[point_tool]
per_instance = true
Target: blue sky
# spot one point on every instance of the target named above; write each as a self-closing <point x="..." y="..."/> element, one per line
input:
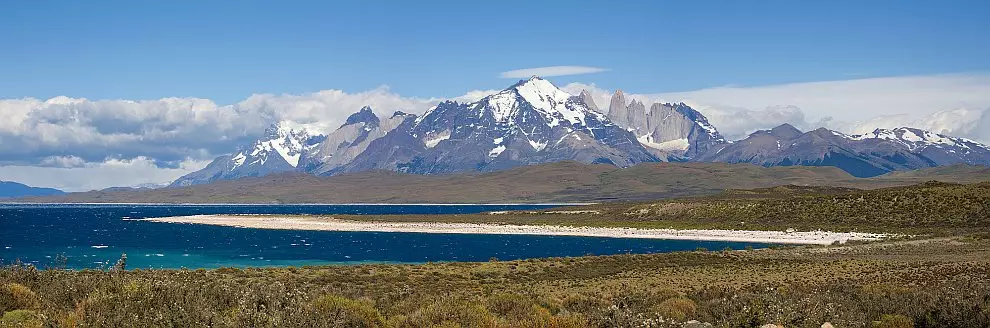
<point x="227" y="50"/>
<point x="170" y="85"/>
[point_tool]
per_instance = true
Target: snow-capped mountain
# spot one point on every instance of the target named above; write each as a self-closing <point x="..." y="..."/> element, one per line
<point x="280" y="149"/>
<point x="530" y="122"/>
<point x="349" y="141"/>
<point x="941" y="149"/>
<point x="534" y="122"/>
<point x="861" y="155"/>
<point x="668" y="130"/>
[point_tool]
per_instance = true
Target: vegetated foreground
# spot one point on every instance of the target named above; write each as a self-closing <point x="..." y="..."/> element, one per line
<point x="930" y="283"/>
<point x="932" y="208"/>
<point x="942" y="280"/>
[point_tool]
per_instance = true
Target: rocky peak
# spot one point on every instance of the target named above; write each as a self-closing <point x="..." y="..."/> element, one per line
<point x="636" y="116"/>
<point x="365" y="115"/>
<point x="588" y="100"/>
<point x="528" y="98"/>
<point x="399" y="113"/>
<point x="786" y="131"/>
<point x="617" y="109"/>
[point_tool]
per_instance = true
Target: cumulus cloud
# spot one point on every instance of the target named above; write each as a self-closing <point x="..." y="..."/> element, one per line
<point x="170" y="134"/>
<point x="944" y="103"/>
<point x="82" y="144"/>
<point x="111" y="172"/>
<point x="550" y="71"/>
<point x="65" y="131"/>
<point x="956" y="122"/>
<point x="62" y="161"/>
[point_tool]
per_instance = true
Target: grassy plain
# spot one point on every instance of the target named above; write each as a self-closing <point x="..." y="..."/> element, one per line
<point x="941" y="278"/>
<point x="931" y="283"/>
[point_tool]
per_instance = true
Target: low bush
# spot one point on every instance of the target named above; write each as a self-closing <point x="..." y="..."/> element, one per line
<point x="679" y="309"/>
<point x="20" y="319"/>
<point x="344" y="312"/>
<point x="893" y="321"/>
<point x="17" y="297"/>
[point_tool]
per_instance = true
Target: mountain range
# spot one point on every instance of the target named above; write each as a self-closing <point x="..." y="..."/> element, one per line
<point x="533" y="122"/>
<point x="10" y="189"/>
<point x="564" y="181"/>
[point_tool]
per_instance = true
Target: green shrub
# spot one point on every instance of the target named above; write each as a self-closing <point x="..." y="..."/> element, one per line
<point x="511" y="306"/>
<point x="581" y="303"/>
<point x="893" y="321"/>
<point x="679" y="308"/>
<point x="450" y="312"/>
<point x="17" y="297"/>
<point x="20" y="318"/>
<point x="345" y="312"/>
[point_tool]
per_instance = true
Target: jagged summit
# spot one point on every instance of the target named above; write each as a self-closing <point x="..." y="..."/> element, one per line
<point x="670" y="130"/>
<point x="279" y="149"/>
<point x="864" y="155"/>
<point x="552" y="103"/>
<point x="365" y="115"/>
<point x="785" y="131"/>
<point x="588" y="100"/>
<point x="533" y="121"/>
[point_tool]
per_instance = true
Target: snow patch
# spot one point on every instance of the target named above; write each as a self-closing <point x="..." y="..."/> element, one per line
<point x="239" y="159"/>
<point x="553" y="104"/>
<point x="496" y="151"/>
<point x="914" y="138"/>
<point x="288" y="149"/>
<point x="539" y="146"/>
<point x="676" y="144"/>
<point x="910" y="136"/>
<point x="435" y="140"/>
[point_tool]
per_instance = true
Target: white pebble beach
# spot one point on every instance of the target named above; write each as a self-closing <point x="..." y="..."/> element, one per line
<point x="322" y="223"/>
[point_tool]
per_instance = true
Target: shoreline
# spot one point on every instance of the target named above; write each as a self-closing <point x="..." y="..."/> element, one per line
<point x="317" y="223"/>
<point x="304" y="204"/>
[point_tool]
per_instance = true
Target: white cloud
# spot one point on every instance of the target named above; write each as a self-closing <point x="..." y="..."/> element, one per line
<point x="550" y="71"/>
<point x="945" y="103"/>
<point x="69" y="139"/>
<point x="63" y="161"/>
<point x="94" y="176"/>
<point x="65" y="142"/>
<point x="54" y="131"/>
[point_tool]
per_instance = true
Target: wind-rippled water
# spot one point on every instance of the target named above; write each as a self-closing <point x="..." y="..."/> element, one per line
<point x="94" y="236"/>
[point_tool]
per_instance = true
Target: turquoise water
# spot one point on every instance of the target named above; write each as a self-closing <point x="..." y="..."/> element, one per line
<point x="95" y="236"/>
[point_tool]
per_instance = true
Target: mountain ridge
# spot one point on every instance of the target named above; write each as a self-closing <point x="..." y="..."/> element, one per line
<point x="534" y="122"/>
<point x="11" y="189"/>
<point x="565" y="181"/>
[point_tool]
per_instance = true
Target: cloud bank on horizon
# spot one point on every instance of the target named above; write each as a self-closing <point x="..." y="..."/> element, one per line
<point x="951" y="104"/>
<point x="77" y="144"/>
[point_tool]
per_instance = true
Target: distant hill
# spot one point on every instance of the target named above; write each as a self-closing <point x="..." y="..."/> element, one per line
<point x="566" y="181"/>
<point x="10" y="189"/>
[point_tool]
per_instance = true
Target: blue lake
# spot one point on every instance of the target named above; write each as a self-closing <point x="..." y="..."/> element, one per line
<point x="94" y="236"/>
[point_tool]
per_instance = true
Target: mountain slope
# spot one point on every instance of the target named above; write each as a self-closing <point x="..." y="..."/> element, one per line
<point x="10" y="189"/>
<point x="668" y="130"/>
<point x="528" y="123"/>
<point x="940" y="149"/>
<point x="350" y="140"/>
<point x="565" y="181"/>
<point x="278" y="150"/>
<point x="534" y="122"/>
<point x="861" y="155"/>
